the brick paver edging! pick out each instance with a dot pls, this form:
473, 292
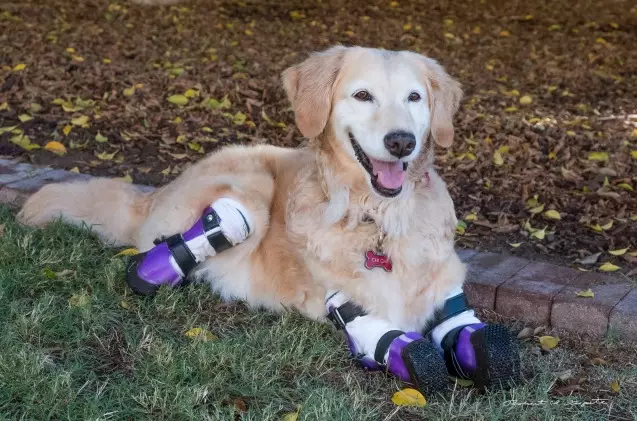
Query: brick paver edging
535, 292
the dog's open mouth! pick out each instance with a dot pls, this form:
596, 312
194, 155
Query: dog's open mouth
387, 177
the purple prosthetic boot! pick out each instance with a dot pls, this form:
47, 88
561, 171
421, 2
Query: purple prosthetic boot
487, 354
221, 226
376, 346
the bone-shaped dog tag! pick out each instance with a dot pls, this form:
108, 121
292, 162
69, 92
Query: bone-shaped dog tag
373, 260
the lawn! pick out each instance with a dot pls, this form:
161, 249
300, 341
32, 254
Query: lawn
78, 346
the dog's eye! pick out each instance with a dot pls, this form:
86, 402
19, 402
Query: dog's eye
363, 96
414, 97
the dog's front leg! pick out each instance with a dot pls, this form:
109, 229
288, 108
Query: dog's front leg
377, 344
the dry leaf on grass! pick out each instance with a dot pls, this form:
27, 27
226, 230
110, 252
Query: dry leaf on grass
409, 397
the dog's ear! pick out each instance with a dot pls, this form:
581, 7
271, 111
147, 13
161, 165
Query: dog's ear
447, 94
309, 86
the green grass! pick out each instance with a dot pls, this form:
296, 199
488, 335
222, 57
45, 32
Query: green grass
71, 350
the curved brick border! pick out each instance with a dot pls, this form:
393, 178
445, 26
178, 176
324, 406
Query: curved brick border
535, 292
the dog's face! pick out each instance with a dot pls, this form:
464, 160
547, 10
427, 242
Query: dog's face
380, 105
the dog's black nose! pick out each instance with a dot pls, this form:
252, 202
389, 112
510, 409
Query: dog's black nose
400, 143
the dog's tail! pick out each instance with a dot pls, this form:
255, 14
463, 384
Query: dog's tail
115, 210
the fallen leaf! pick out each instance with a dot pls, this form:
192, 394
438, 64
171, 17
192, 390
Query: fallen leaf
609, 267
538, 330
75, 170
497, 159
79, 300
292, 416
409, 397
126, 179
100, 138
128, 252
625, 186
104, 156
549, 342
614, 386
178, 99
525, 333
463, 382
461, 227
67, 129
589, 260
536, 209
191, 93
24, 142
48, 273
198, 332
552, 214
598, 156
19, 67
526, 100
607, 226
24, 118
586, 294
55, 147
4, 130
124, 305
470, 217
129, 91
515, 245
618, 252
81, 121
539, 234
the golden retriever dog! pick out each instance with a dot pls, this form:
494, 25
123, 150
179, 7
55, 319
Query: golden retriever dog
363, 182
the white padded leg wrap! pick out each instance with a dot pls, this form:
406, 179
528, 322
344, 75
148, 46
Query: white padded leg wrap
234, 217
463, 319
365, 330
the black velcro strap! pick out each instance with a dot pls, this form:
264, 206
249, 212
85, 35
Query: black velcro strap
182, 254
344, 314
383, 345
448, 345
452, 307
217, 240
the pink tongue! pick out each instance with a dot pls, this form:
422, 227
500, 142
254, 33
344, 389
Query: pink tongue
390, 174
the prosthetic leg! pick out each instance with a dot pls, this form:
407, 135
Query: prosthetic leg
224, 224
377, 345
455, 343
486, 354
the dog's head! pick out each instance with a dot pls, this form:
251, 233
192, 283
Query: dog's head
378, 106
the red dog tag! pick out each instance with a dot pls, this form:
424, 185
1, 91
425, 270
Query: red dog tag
373, 260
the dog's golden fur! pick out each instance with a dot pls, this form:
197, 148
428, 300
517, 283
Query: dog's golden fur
311, 205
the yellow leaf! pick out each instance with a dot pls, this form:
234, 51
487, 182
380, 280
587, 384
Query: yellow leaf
598, 156
124, 305
79, 300
586, 294
549, 342
407, 26
55, 147
24, 118
552, 214
128, 252
618, 252
625, 186
106, 60
80, 121
24, 142
166, 171
196, 147
497, 158
129, 91
539, 234
409, 397
4, 130
633, 154
609, 267
178, 99
608, 226
464, 382
75, 170
4, 106
100, 138
191, 93
292, 416
461, 227
511, 109
104, 156
615, 386
198, 332
470, 217
126, 179
19, 67
181, 139
526, 100
536, 209
70, 50
504, 33
515, 245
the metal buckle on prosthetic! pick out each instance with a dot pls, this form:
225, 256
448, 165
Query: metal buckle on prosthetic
344, 314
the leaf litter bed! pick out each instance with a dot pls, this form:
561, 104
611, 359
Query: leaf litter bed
545, 160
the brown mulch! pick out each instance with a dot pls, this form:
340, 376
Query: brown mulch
96, 67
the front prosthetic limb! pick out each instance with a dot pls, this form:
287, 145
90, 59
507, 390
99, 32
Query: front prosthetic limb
222, 225
377, 345
487, 354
